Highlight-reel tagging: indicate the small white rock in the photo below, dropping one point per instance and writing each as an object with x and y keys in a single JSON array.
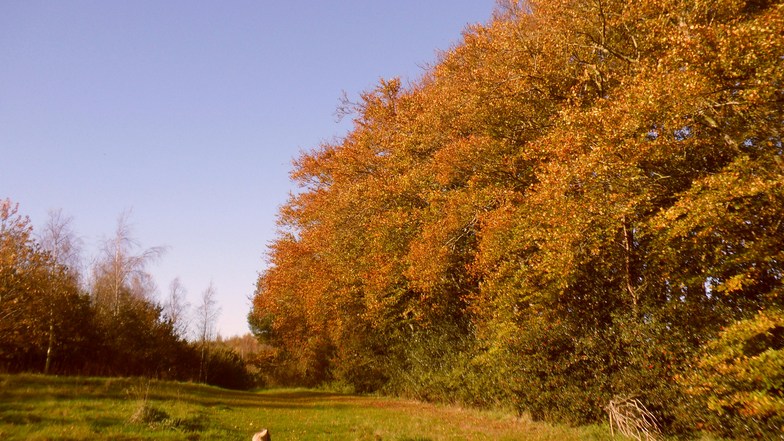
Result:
[{"x": 262, "y": 436}]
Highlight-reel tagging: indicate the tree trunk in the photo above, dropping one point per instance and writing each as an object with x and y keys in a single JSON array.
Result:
[
  {"x": 628, "y": 245},
  {"x": 49, "y": 348}
]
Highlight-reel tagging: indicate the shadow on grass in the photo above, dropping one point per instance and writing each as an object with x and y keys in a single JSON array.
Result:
[
  {"x": 18, "y": 419},
  {"x": 21, "y": 390}
]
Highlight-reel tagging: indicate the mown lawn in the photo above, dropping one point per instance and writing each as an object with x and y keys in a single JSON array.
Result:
[{"x": 35, "y": 407}]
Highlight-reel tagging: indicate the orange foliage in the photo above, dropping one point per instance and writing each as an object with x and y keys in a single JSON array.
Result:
[{"x": 572, "y": 182}]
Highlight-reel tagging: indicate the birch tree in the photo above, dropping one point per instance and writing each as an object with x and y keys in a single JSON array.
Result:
[
  {"x": 175, "y": 307},
  {"x": 207, "y": 314},
  {"x": 58, "y": 238},
  {"x": 120, "y": 271}
]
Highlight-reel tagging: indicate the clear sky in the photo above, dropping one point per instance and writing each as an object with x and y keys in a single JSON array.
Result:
[{"x": 189, "y": 113}]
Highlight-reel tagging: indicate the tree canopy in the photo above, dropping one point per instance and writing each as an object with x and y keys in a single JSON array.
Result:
[{"x": 568, "y": 207}]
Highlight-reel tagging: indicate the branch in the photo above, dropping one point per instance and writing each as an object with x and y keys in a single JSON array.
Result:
[{"x": 632, "y": 419}]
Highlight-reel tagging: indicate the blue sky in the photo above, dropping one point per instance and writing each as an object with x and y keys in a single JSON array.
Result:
[{"x": 189, "y": 113}]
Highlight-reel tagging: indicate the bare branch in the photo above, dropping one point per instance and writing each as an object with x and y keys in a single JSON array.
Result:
[{"x": 632, "y": 419}]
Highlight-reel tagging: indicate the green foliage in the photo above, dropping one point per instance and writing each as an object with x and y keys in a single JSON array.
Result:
[
  {"x": 738, "y": 379},
  {"x": 225, "y": 368},
  {"x": 431, "y": 367}
]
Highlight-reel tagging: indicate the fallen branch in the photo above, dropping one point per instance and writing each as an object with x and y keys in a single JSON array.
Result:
[{"x": 632, "y": 419}]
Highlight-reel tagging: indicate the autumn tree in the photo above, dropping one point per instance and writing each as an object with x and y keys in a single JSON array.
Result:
[
  {"x": 44, "y": 315},
  {"x": 23, "y": 280},
  {"x": 564, "y": 210},
  {"x": 49, "y": 323}
]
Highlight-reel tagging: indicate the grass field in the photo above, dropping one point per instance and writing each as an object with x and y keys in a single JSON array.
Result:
[{"x": 35, "y": 407}]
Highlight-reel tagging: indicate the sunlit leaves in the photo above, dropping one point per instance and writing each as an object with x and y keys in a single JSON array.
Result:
[
  {"x": 583, "y": 192},
  {"x": 738, "y": 380}
]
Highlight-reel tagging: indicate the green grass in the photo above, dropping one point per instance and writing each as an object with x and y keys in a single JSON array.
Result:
[{"x": 35, "y": 407}]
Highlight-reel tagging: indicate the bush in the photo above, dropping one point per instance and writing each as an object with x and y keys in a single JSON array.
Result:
[{"x": 227, "y": 369}]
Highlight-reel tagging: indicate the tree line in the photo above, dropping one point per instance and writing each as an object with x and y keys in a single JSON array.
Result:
[
  {"x": 57, "y": 319},
  {"x": 579, "y": 203}
]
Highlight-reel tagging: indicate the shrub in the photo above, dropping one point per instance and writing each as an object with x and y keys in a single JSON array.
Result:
[
  {"x": 738, "y": 384},
  {"x": 227, "y": 369}
]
